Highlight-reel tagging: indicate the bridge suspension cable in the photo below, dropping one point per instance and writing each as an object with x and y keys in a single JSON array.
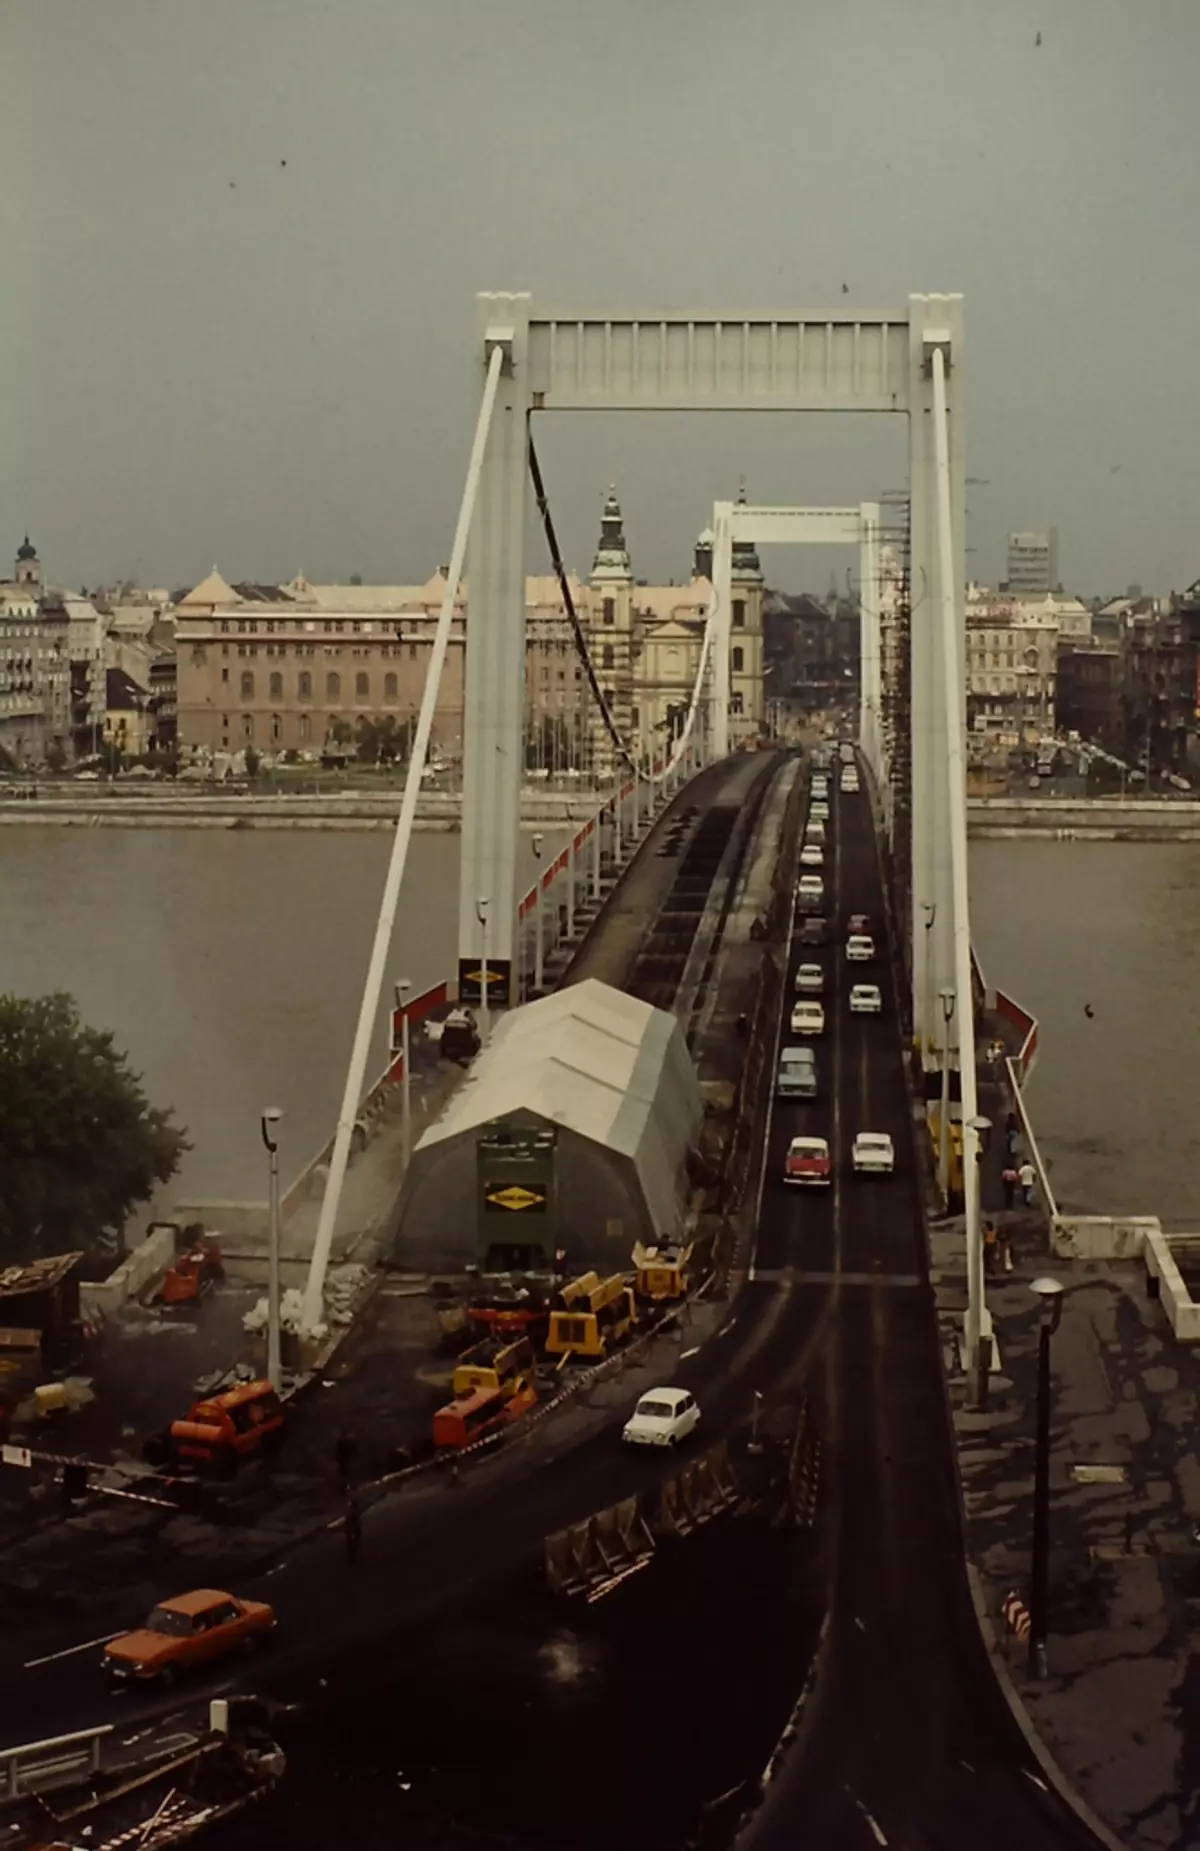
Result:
[
  {"x": 646, "y": 771},
  {"x": 314, "y": 1291}
]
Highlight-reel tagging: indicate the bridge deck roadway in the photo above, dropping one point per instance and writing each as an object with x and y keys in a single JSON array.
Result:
[
  {"x": 905, "y": 1738},
  {"x": 616, "y": 935}
]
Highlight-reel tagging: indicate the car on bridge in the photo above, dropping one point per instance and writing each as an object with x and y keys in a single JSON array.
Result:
[
  {"x": 873, "y": 1154},
  {"x": 187, "y": 1631},
  {"x": 663, "y": 1417},
  {"x": 814, "y": 930},
  {"x": 866, "y": 999},
  {"x": 812, "y": 855},
  {"x": 859, "y": 922},
  {"x": 797, "y": 1076},
  {"x": 808, "y": 1018},
  {"x": 848, "y": 782},
  {"x": 807, "y": 1164},
  {"x": 814, "y": 831},
  {"x": 810, "y": 979},
  {"x": 860, "y": 948},
  {"x": 810, "y": 892},
  {"x": 819, "y": 810}
]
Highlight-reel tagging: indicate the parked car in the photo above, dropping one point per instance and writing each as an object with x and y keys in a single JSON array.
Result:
[
  {"x": 188, "y": 1631},
  {"x": 807, "y": 1163},
  {"x": 873, "y": 1154},
  {"x": 663, "y": 1417},
  {"x": 860, "y": 948},
  {"x": 797, "y": 1075},
  {"x": 808, "y": 1018},
  {"x": 812, "y": 855},
  {"x": 865, "y": 999},
  {"x": 810, "y": 979}
]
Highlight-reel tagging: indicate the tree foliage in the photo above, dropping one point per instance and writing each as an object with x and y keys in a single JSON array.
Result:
[
  {"x": 79, "y": 1144},
  {"x": 384, "y": 741}
]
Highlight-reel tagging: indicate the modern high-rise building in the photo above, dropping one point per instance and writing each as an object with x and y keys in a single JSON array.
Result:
[{"x": 1032, "y": 562}]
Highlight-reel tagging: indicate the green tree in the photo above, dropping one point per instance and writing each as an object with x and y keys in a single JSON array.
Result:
[
  {"x": 383, "y": 741},
  {"x": 79, "y": 1145},
  {"x": 253, "y": 761}
]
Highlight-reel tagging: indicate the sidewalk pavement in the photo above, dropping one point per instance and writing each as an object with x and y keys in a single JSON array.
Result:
[{"x": 1120, "y": 1709}]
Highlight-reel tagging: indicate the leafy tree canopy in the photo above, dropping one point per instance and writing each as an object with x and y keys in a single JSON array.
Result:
[{"x": 79, "y": 1145}]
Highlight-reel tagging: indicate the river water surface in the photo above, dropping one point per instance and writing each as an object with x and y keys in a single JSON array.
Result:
[{"x": 230, "y": 964}]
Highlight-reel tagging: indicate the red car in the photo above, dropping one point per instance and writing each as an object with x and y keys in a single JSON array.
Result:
[
  {"x": 807, "y": 1163},
  {"x": 860, "y": 925}
]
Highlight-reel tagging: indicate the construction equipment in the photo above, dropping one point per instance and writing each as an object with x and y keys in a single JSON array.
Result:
[
  {"x": 494, "y": 1367},
  {"x": 197, "y": 1265},
  {"x": 482, "y": 1411},
  {"x": 218, "y": 1433},
  {"x": 592, "y": 1316},
  {"x": 661, "y": 1273}
]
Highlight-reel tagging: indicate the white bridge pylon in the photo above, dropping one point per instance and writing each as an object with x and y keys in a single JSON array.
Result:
[{"x": 788, "y": 526}]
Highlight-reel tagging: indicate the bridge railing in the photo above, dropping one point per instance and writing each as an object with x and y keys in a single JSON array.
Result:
[{"x": 34, "y": 1767}]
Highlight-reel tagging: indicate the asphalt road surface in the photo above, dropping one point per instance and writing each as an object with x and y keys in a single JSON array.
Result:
[{"x": 905, "y": 1738}]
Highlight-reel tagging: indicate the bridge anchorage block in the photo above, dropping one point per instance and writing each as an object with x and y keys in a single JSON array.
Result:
[
  {"x": 936, "y": 340},
  {"x": 503, "y": 338}
]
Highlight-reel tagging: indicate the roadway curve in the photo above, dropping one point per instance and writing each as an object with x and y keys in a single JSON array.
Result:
[{"x": 905, "y": 1737}]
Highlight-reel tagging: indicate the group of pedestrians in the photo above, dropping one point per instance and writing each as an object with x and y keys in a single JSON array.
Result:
[{"x": 1018, "y": 1173}]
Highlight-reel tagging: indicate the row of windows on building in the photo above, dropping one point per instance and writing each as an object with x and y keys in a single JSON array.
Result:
[
  {"x": 609, "y": 613},
  {"x": 333, "y": 684}
]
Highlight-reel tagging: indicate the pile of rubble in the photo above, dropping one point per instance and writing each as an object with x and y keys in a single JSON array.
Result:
[{"x": 343, "y": 1289}]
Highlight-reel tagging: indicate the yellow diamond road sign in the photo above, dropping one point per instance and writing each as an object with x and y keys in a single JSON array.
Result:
[{"x": 515, "y": 1197}]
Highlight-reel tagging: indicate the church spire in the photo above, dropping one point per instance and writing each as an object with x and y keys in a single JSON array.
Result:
[
  {"x": 746, "y": 563},
  {"x": 612, "y": 555}
]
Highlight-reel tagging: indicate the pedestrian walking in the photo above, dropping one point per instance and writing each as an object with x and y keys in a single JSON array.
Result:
[
  {"x": 1028, "y": 1177},
  {"x": 346, "y": 1453},
  {"x": 1004, "y": 1253},
  {"x": 989, "y": 1246},
  {"x": 1012, "y": 1132},
  {"x": 353, "y": 1528},
  {"x": 1008, "y": 1182}
]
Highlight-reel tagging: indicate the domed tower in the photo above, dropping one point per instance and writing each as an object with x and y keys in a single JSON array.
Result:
[
  {"x": 703, "y": 556},
  {"x": 611, "y": 639},
  {"x": 746, "y": 713},
  {"x": 29, "y": 566}
]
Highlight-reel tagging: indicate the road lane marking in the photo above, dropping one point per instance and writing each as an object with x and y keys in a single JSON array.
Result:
[
  {"x": 725, "y": 1332},
  {"x": 70, "y": 1650},
  {"x": 694, "y": 1351}
]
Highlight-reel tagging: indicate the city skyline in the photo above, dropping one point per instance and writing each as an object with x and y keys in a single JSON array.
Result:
[{"x": 272, "y": 361}]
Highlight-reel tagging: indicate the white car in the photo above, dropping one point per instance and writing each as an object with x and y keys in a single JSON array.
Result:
[
  {"x": 865, "y": 999},
  {"x": 860, "y": 948},
  {"x": 810, "y": 979},
  {"x": 811, "y": 889},
  {"x": 849, "y": 780},
  {"x": 820, "y": 788},
  {"x": 812, "y": 855},
  {"x": 873, "y": 1154},
  {"x": 819, "y": 813},
  {"x": 814, "y": 830},
  {"x": 808, "y": 1018},
  {"x": 663, "y": 1417}
]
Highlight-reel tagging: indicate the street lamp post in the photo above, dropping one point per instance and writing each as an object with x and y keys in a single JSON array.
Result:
[
  {"x": 539, "y": 950},
  {"x": 403, "y": 986},
  {"x": 485, "y": 1005},
  {"x": 948, "y": 998},
  {"x": 921, "y": 1002},
  {"x": 1050, "y": 1301},
  {"x": 270, "y": 1119},
  {"x": 978, "y": 1128}
]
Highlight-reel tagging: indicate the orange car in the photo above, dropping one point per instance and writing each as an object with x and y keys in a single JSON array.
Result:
[{"x": 189, "y": 1630}]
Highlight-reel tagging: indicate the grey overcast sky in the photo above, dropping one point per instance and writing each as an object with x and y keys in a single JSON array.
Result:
[{"x": 213, "y": 356}]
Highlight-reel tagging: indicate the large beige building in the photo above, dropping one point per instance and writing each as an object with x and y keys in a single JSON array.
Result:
[
  {"x": 293, "y": 667},
  {"x": 1012, "y": 660}
]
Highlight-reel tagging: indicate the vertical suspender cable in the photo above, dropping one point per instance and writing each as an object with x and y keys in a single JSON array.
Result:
[
  {"x": 956, "y": 773},
  {"x": 315, "y": 1288}
]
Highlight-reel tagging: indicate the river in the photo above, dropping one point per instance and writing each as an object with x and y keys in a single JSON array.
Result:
[{"x": 230, "y": 964}]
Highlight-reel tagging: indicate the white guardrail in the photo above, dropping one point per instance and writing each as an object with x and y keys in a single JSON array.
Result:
[{"x": 35, "y": 1767}]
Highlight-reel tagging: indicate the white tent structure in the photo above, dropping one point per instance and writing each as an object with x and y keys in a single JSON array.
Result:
[{"x": 612, "y": 1078}]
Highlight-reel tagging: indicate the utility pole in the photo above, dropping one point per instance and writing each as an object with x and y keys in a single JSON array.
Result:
[
  {"x": 403, "y": 986},
  {"x": 485, "y": 1000},
  {"x": 539, "y": 949}
]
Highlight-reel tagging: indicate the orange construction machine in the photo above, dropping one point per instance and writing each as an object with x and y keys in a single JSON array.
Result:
[{"x": 222, "y": 1430}]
